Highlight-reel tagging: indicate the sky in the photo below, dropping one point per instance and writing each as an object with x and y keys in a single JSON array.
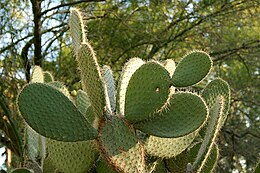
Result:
[{"x": 2, "y": 157}]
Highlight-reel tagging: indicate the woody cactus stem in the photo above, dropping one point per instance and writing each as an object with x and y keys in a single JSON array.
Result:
[{"x": 147, "y": 121}]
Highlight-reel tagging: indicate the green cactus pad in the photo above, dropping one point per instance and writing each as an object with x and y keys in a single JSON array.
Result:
[
  {"x": 192, "y": 69},
  {"x": 160, "y": 167},
  {"x": 48, "y": 77},
  {"x": 50, "y": 113},
  {"x": 82, "y": 101},
  {"x": 61, "y": 87},
  {"x": 32, "y": 143},
  {"x": 211, "y": 162},
  {"x": 156, "y": 166},
  {"x": 84, "y": 106},
  {"x": 207, "y": 166},
  {"x": 103, "y": 167},
  {"x": 179, "y": 163},
  {"x": 120, "y": 147},
  {"x": 76, "y": 28},
  {"x": 131, "y": 160},
  {"x": 129, "y": 68},
  {"x": 117, "y": 136},
  {"x": 185, "y": 113},
  {"x": 214, "y": 126},
  {"x": 48, "y": 166},
  {"x": 213, "y": 91},
  {"x": 168, "y": 147},
  {"x": 37, "y": 75},
  {"x": 215, "y": 88},
  {"x": 68, "y": 157},
  {"x": 110, "y": 88},
  {"x": 91, "y": 78},
  {"x": 22, "y": 170},
  {"x": 147, "y": 91}
]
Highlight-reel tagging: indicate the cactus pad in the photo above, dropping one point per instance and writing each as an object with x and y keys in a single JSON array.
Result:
[
  {"x": 61, "y": 87},
  {"x": 91, "y": 78},
  {"x": 102, "y": 166},
  {"x": 120, "y": 147},
  {"x": 84, "y": 106},
  {"x": 185, "y": 113},
  {"x": 22, "y": 170},
  {"x": 50, "y": 113},
  {"x": 168, "y": 147},
  {"x": 147, "y": 91},
  {"x": 110, "y": 88},
  {"x": 37, "y": 75},
  {"x": 130, "y": 67},
  {"x": 33, "y": 144},
  {"x": 192, "y": 69},
  {"x": 215, "y": 88},
  {"x": 77, "y": 29},
  {"x": 82, "y": 101},
  {"x": 214, "y": 125},
  {"x": 67, "y": 157},
  {"x": 157, "y": 166},
  {"x": 209, "y": 165},
  {"x": 48, "y": 77}
]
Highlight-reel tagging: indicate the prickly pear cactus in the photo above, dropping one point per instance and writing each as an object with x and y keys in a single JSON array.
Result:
[{"x": 145, "y": 125}]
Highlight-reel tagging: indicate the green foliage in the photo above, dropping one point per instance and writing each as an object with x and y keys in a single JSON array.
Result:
[{"x": 151, "y": 115}]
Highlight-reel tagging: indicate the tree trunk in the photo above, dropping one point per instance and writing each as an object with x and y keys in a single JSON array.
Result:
[{"x": 36, "y": 7}]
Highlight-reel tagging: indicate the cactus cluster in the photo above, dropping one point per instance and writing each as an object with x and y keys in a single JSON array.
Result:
[{"x": 145, "y": 125}]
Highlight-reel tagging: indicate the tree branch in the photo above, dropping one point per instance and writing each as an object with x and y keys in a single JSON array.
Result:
[
  {"x": 68, "y": 4},
  {"x": 28, "y": 36},
  {"x": 14, "y": 43},
  {"x": 52, "y": 41},
  {"x": 224, "y": 53},
  {"x": 25, "y": 59},
  {"x": 36, "y": 6},
  {"x": 158, "y": 47}
]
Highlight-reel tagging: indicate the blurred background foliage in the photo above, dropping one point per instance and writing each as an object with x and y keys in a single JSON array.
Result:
[{"x": 36, "y": 32}]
